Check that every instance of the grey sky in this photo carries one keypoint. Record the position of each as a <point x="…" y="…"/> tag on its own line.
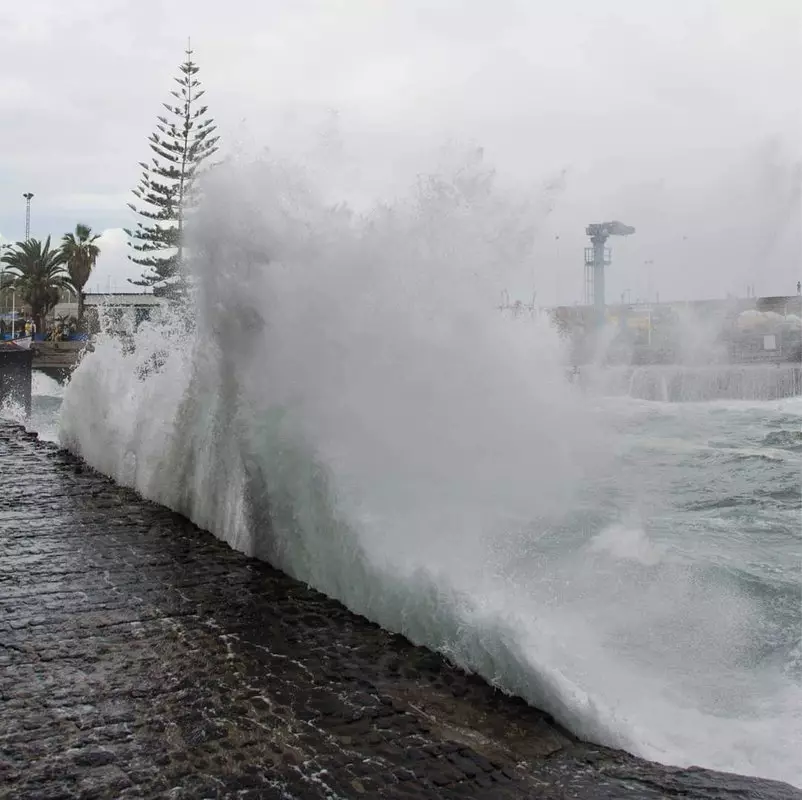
<point x="679" y="117"/>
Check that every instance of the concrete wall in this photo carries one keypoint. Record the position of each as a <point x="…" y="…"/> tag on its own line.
<point x="732" y="330"/>
<point x="15" y="375"/>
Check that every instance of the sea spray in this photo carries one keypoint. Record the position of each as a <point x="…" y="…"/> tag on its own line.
<point x="352" y="408"/>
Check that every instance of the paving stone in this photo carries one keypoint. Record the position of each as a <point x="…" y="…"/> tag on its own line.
<point x="140" y="657"/>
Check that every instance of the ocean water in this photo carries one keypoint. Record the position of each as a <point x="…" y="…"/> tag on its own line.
<point x="350" y="407"/>
<point x="46" y="397"/>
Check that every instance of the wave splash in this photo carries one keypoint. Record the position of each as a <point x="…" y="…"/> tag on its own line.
<point x="350" y="407"/>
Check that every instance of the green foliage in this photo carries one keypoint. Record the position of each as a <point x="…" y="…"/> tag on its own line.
<point x="38" y="274"/>
<point x="184" y="139"/>
<point x="80" y="255"/>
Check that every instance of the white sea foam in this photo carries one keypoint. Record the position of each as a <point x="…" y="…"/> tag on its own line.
<point x="353" y="409"/>
<point x="621" y="541"/>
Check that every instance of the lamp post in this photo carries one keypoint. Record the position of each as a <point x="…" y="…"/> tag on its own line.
<point x="3" y="289"/>
<point x="28" y="197"/>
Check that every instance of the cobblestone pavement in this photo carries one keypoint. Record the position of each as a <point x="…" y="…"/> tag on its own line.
<point x="141" y="657"/>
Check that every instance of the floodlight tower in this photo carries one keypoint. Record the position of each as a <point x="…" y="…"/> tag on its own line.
<point x="28" y="197"/>
<point x="597" y="257"/>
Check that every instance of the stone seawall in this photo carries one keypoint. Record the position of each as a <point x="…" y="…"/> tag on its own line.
<point x="15" y="376"/>
<point x="141" y="657"/>
<point x="688" y="384"/>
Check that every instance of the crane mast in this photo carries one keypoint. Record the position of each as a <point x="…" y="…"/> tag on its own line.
<point x="597" y="257"/>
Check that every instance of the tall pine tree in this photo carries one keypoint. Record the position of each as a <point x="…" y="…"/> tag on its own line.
<point x="183" y="141"/>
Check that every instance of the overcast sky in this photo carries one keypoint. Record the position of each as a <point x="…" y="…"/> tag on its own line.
<point x="680" y="117"/>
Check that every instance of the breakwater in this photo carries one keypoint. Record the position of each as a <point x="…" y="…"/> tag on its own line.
<point x="15" y="377"/>
<point x="141" y="657"/>
<point x="677" y="383"/>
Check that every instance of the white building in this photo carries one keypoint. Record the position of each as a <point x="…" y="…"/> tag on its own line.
<point x="113" y="306"/>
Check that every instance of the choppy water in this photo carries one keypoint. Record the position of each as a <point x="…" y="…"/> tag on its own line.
<point x="633" y="567"/>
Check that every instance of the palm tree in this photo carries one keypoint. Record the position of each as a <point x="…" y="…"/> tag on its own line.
<point x="80" y="253"/>
<point x="38" y="275"/>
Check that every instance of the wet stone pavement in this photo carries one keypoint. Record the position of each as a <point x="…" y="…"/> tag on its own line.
<point x="141" y="657"/>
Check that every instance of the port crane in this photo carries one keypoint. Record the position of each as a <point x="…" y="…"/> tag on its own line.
<point x="597" y="257"/>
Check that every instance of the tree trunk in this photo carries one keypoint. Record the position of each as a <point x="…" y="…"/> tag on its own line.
<point x="80" y="310"/>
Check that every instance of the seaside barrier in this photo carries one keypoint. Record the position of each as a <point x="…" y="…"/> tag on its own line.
<point x="16" y="365"/>
<point x="674" y="383"/>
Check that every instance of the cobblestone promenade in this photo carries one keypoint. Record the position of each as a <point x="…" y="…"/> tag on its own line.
<point x="140" y="657"/>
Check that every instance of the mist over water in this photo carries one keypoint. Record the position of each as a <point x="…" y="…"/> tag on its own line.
<point x="353" y="408"/>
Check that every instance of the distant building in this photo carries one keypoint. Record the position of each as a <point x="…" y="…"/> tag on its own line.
<point x="754" y="329"/>
<point x="115" y="307"/>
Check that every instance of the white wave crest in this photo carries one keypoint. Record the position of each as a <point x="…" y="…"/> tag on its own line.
<point x="352" y="408"/>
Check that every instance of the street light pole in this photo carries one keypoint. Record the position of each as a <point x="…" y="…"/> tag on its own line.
<point x="28" y="197"/>
<point x="3" y="288"/>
